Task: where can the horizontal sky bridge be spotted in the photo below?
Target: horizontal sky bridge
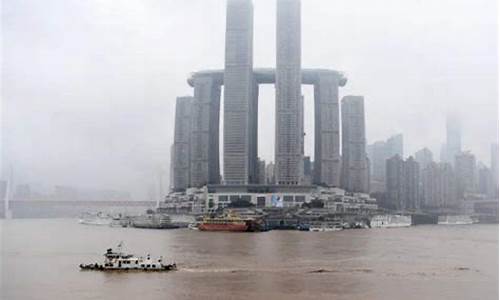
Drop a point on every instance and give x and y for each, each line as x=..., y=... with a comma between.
x=268, y=76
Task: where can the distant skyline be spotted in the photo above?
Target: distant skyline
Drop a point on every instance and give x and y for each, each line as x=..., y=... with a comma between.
x=89, y=87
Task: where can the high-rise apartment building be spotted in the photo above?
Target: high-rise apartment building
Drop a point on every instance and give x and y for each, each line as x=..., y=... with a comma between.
x=240, y=98
x=288, y=141
x=465, y=170
x=423, y=157
x=181, y=163
x=354, y=161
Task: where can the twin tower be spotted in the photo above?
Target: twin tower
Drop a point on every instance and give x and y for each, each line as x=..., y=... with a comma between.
x=195, y=155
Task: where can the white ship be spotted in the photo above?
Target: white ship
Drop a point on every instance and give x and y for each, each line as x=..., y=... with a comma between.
x=119, y=261
x=390, y=221
x=455, y=220
x=99, y=219
x=325, y=227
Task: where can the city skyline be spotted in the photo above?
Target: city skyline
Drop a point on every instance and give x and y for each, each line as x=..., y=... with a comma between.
x=93, y=120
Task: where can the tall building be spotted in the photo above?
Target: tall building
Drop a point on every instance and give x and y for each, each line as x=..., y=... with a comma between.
x=240, y=96
x=411, y=175
x=354, y=161
x=494, y=168
x=394, y=146
x=402, y=183
x=430, y=185
x=394, y=183
x=181, y=162
x=485, y=180
x=438, y=186
x=288, y=152
x=453, y=144
x=378, y=153
x=465, y=170
x=448, y=184
x=205, y=125
x=423, y=157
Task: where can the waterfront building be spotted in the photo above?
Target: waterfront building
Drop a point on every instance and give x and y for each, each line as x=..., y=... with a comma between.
x=241, y=83
x=411, y=176
x=402, y=183
x=448, y=186
x=485, y=180
x=378, y=153
x=430, y=175
x=288, y=152
x=181, y=162
x=354, y=160
x=240, y=96
x=205, y=130
x=465, y=169
x=394, y=183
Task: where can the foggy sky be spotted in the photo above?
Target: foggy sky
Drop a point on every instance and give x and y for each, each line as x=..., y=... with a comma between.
x=89, y=86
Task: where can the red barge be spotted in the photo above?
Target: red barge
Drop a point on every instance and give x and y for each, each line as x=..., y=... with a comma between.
x=225, y=223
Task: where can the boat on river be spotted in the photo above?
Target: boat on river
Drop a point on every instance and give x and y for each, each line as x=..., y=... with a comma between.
x=325, y=227
x=99, y=219
x=227, y=222
x=119, y=261
x=390, y=221
x=456, y=220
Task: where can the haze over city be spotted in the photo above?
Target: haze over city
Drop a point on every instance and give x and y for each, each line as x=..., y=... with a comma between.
x=89, y=87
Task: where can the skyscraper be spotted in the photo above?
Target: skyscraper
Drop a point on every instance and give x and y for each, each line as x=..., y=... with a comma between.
x=354, y=162
x=438, y=186
x=485, y=180
x=288, y=152
x=402, y=183
x=465, y=169
x=394, y=146
x=240, y=101
x=394, y=183
x=411, y=175
x=377, y=154
x=423, y=157
x=182, y=143
x=453, y=144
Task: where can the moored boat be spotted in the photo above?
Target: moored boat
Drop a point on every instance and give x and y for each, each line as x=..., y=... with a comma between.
x=390, y=221
x=456, y=220
x=325, y=227
x=227, y=222
x=98, y=219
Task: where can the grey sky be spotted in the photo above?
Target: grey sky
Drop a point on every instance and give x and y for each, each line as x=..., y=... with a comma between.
x=89, y=86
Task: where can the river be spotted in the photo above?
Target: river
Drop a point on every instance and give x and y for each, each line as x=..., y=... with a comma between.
x=39, y=260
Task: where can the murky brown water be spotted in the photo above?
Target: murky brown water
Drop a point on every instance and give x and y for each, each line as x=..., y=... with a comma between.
x=39, y=260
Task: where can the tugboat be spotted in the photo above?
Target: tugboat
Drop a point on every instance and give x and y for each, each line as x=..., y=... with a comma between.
x=119, y=261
